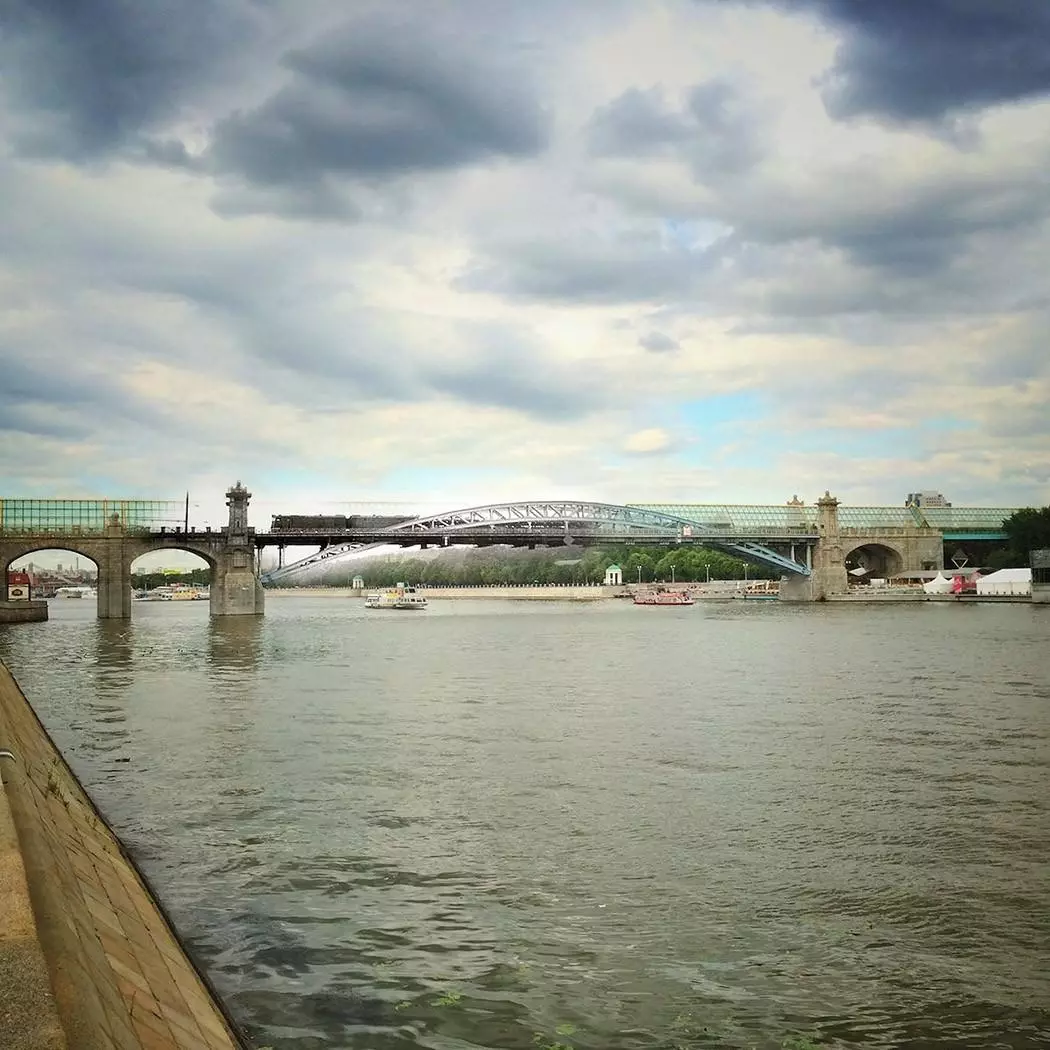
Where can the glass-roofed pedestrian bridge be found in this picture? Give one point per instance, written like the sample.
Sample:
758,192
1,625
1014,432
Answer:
957,523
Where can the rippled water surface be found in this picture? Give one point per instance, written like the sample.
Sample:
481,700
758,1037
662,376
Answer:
512,825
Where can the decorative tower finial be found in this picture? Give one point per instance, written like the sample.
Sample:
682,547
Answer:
237,499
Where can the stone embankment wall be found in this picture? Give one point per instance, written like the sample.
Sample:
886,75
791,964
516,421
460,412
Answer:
23,611
568,592
97,953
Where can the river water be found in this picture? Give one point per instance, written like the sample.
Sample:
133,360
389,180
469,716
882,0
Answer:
511,825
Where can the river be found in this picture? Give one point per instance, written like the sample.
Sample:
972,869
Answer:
519,825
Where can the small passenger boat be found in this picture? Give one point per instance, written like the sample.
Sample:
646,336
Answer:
400,597
664,598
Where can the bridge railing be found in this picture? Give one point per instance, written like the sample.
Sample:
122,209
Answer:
538,532
887,530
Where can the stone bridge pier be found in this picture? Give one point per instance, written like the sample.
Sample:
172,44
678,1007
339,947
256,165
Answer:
893,549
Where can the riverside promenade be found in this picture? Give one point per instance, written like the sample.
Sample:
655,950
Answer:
88,959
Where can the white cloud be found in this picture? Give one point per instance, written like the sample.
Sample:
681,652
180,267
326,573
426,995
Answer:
644,442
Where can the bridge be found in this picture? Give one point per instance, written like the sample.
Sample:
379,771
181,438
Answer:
113,533
812,546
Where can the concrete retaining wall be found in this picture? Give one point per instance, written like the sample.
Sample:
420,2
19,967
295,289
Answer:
523,593
23,611
119,979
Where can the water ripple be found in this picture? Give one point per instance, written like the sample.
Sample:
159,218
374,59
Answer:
508,827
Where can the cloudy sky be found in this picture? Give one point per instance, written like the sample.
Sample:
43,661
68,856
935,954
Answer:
457,251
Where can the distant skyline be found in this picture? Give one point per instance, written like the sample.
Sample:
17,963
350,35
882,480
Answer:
462,252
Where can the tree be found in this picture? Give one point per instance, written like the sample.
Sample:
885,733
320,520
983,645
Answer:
1027,530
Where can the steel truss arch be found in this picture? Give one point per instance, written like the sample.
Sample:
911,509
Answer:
550,512
622,524
335,550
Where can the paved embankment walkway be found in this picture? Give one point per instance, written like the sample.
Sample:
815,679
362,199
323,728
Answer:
88,961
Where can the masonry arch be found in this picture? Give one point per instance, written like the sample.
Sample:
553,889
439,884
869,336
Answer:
65,572
877,560
156,578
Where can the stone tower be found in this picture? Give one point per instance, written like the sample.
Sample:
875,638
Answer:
829,568
235,588
237,500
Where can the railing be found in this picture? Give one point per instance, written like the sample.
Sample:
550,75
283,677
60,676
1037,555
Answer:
887,530
537,532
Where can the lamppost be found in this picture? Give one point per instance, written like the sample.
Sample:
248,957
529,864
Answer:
639,575
672,574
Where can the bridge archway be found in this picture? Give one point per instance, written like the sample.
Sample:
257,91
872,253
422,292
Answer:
151,579
65,571
878,560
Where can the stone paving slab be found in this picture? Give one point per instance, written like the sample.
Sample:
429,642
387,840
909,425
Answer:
119,977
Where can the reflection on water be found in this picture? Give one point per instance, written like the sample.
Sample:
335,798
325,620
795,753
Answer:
517,825
233,643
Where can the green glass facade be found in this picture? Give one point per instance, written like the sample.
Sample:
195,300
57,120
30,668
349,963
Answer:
783,516
71,516
730,516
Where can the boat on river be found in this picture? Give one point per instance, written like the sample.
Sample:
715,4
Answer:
399,597
664,598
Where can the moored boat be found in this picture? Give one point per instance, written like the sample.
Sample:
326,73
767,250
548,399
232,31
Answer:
664,598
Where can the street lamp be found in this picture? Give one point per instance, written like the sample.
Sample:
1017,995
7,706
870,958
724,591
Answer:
639,575
672,574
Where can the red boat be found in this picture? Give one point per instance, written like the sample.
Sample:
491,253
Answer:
664,598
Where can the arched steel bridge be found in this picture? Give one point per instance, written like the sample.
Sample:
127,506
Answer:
549,523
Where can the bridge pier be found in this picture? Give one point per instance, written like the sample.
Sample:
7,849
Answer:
114,574
235,589
827,562
235,586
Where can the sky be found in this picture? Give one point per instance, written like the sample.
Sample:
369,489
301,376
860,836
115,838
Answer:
469,251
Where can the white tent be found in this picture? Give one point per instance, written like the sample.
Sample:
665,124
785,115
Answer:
1006,581
940,584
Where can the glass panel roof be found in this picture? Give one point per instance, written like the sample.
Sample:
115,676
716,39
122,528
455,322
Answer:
737,516
748,517
967,517
86,515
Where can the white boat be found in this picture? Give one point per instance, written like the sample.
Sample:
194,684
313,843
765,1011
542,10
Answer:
76,592
399,597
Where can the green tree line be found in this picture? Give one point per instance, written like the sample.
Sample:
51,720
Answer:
648,564
1026,530
148,580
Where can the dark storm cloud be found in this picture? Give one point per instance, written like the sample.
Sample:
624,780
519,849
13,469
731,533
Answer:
506,380
63,401
636,122
713,128
628,267
920,60
378,101
658,343
90,76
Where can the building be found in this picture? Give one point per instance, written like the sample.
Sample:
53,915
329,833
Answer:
926,499
18,586
614,576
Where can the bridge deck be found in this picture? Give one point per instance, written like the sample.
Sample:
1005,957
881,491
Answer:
517,535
